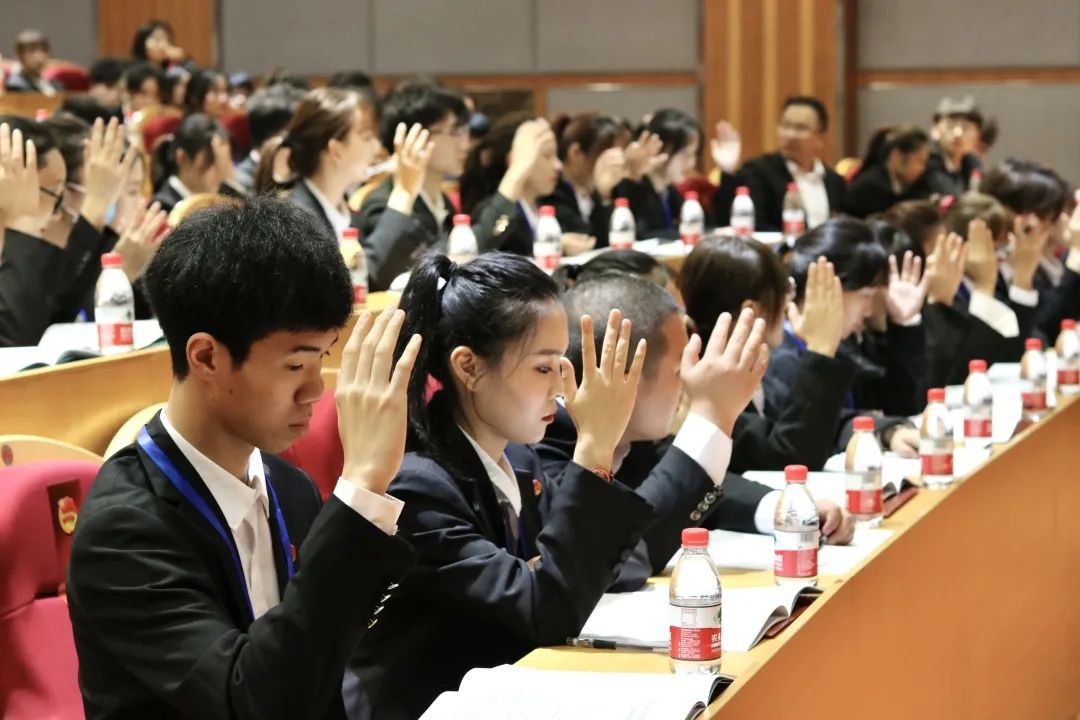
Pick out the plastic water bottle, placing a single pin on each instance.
(461, 246)
(797, 535)
(742, 213)
(978, 406)
(547, 244)
(1068, 350)
(936, 441)
(114, 307)
(1033, 381)
(862, 464)
(623, 230)
(695, 600)
(355, 259)
(975, 181)
(691, 220)
(794, 215)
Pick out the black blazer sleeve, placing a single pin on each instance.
(499, 225)
(391, 247)
(723, 197)
(136, 584)
(804, 429)
(1058, 303)
(542, 601)
(29, 270)
(904, 387)
(82, 266)
(741, 500)
(768, 206)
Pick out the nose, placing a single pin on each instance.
(312, 389)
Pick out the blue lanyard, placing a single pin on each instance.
(665, 203)
(525, 217)
(170, 470)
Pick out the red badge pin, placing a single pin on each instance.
(292, 551)
(537, 487)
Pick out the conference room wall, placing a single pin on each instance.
(68, 24)
(628, 102)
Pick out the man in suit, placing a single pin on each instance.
(717, 391)
(205, 581)
(32, 50)
(804, 122)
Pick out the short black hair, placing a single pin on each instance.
(645, 304)
(241, 272)
(1024, 186)
(420, 103)
(107, 71)
(858, 256)
(282, 77)
(813, 103)
(44, 141)
(269, 111)
(70, 132)
(198, 88)
(674, 128)
(624, 261)
(89, 109)
(138, 72)
(350, 80)
(195, 134)
(143, 33)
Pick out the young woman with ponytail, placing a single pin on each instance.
(196, 159)
(894, 170)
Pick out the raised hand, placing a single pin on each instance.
(601, 406)
(820, 323)
(1029, 238)
(18, 176)
(223, 159)
(412, 152)
(530, 139)
(107, 168)
(141, 240)
(609, 171)
(577, 243)
(726, 147)
(982, 261)
(371, 398)
(721, 382)
(945, 268)
(907, 289)
(644, 155)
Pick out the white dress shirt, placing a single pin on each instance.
(501, 475)
(181, 189)
(812, 192)
(706, 444)
(338, 220)
(992, 311)
(246, 507)
(584, 202)
(437, 208)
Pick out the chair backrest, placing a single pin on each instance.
(127, 432)
(318, 452)
(23, 449)
(72, 78)
(156, 128)
(39, 504)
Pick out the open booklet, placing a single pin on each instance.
(896, 487)
(640, 619)
(525, 694)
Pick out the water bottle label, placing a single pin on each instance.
(1034, 400)
(548, 262)
(621, 240)
(742, 229)
(796, 554)
(1069, 377)
(977, 427)
(115, 334)
(937, 464)
(695, 632)
(864, 502)
(794, 223)
(360, 293)
(690, 238)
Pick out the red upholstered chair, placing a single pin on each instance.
(71, 77)
(702, 187)
(318, 452)
(155, 128)
(38, 666)
(239, 133)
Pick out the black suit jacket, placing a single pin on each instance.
(422, 224)
(648, 208)
(160, 622)
(568, 213)
(890, 369)
(768, 176)
(500, 226)
(390, 249)
(170, 198)
(477, 599)
(871, 192)
(1056, 303)
(943, 181)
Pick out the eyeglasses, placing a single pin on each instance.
(57, 197)
(459, 132)
(796, 129)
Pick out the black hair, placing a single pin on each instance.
(420, 103)
(221, 272)
(674, 128)
(645, 304)
(723, 273)
(486, 163)
(912, 221)
(859, 259)
(592, 132)
(31, 38)
(269, 111)
(107, 71)
(88, 109)
(350, 80)
(622, 261)
(137, 73)
(814, 104)
(905, 138)
(198, 87)
(486, 305)
(1027, 187)
(70, 132)
(282, 77)
(143, 33)
(976, 205)
(44, 141)
(194, 135)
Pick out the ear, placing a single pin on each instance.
(574, 152)
(466, 367)
(206, 356)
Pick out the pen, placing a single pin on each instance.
(598, 644)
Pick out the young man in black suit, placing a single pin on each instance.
(205, 580)
(803, 124)
(717, 391)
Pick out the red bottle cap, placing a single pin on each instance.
(112, 259)
(691, 195)
(795, 473)
(547, 211)
(935, 395)
(977, 366)
(742, 190)
(462, 219)
(1033, 344)
(863, 423)
(622, 202)
(792, 187)
(1068, 324)
(695, 537)
(350, 233)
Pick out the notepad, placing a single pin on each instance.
(641, 618)
(526, 694)
(832, 486)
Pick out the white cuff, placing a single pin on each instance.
(706, 444)
(1023, 297)
(766, 510)
(994, 313)
(1072, 260)
(913, 322)
(381, 510)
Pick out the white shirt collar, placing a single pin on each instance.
(438, 209)
(254, 156)
(530, 214)
(338, 219)
(816, 172)
(232, 496)
(506, 484)
(181, 189)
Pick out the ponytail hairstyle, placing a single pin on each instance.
(592, 132)
(486, 305)
(194, 135)
(905, 138)
(487, 161)
(614, 262)
(324, 114)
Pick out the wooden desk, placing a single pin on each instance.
(969, 611)
(27, 104)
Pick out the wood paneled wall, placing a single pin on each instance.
(193, 21)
